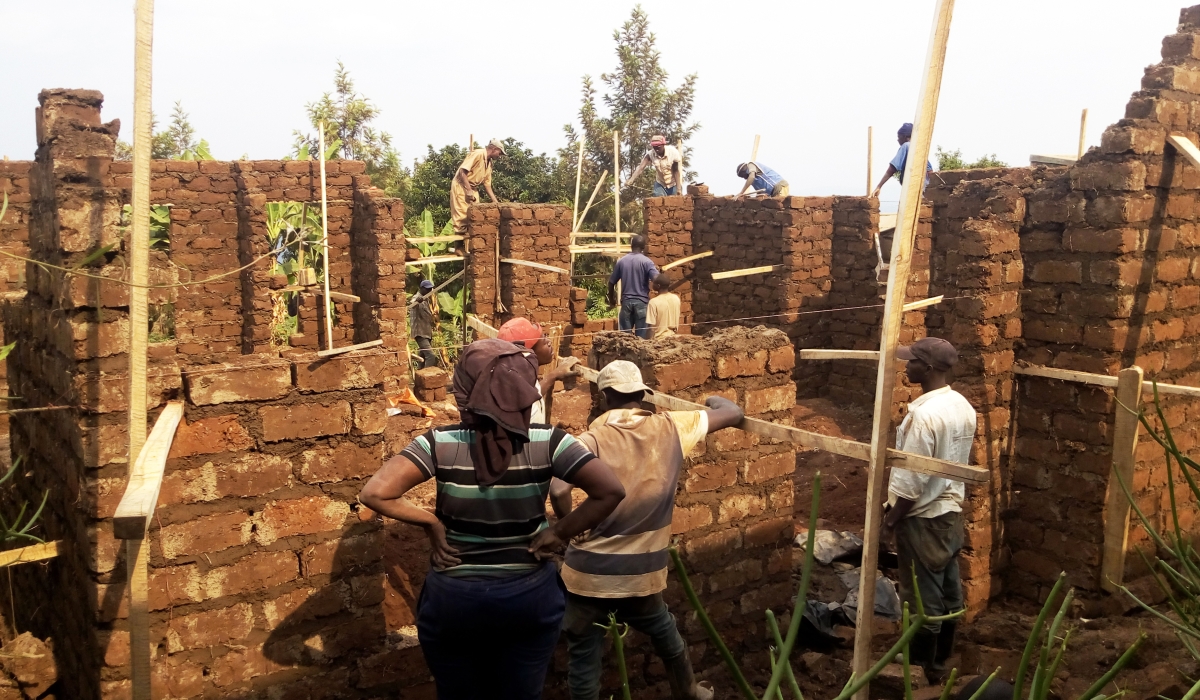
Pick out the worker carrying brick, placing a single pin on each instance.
(760, 177)
(896, 167)
(476, 170)
(526, 334)
(491, 609)
(422, 319)
(635, 272)
(662, 314)
(668, 167)
(924, 512)
(621, 566)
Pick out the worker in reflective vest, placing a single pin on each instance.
(761, 178)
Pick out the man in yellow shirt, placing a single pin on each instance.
(476, 170)
(662, 314)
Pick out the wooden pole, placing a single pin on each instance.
(588, 206)
(617, 180)
(902, 248)
(137, 551)
(578, 178)
(325, 243)
(870, 144)
(1116, 507)
(1082, 132)
(470, 143)
(754, 151)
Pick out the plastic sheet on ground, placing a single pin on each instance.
(829, 545)
(818, 621)
(887, 600)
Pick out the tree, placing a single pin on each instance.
(639, 104)
(347, 116)
(953, 160)
(178, 142)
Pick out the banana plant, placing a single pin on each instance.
(160, 224)
(200, 152)
(294, 232)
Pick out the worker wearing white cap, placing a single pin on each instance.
(476, 170)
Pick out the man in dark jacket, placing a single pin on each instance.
(422, 324)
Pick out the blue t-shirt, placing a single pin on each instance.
(900, 159)
(635, 271)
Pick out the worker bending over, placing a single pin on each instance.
(760, 178)
(526, 334)
(662, 314)
(925, 512)
(491, 609)
(668, 167)
(476, 170)
(635, 272)
(896, 167)
(621, 567)
(423, 317)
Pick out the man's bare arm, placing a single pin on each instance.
(887, 175)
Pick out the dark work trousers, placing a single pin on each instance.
(426, 350)
(930, 547)
(490, 639)
(585, 641)
(633, 317)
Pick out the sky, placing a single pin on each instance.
(809, 77)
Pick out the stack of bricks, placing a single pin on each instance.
(733, 512)
(261, 576)
(669, 238)
(431, 384)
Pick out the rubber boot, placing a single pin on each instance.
(945, 646)
(683, 680)
(921, 651)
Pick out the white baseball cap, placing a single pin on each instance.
(622, 376)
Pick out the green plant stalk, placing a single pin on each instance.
(791, 676)
(713, 635)
(905, 662)
(1042, 677)
(1023, 667)
(771, 658)
(979, 693)
(1191, 693)
(949, 684)
(785, 652)
(619, 648)
(1058, 658)
(917, 622)
(1104, 680)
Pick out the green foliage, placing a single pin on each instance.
(347, 116)
(953, 160)
(20, 526)
(178, 142)
(300, 228)
(160, 225)
(639, 104)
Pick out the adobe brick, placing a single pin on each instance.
(739, 506)
(1171, 329)
(304, 421)
(782, 359)
(1054, 331)
(710, 476)
(705, 552)
(360, 373)
(688, 518)
(1057, 272)
(769, 467)
(770, 399)
(1121, 240)
(341, 555)
(732, 439)
(252, 573)
(210, 628)
(212, 533)
(301, 516)
(1172, 270)
(681, 375)
(346, 461)
(742, 364)
(206, 387)
(777, 531)
(209, 436)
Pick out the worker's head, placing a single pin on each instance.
(638, 244)
(426, 286)
(659, 143)
(520, 331)
(495, 149)
(662, 283)
(621, 383)
(743, 170)
(928, 359)
(905, 133)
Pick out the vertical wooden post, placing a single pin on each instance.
(1082, 133)
(325, 243)
(1116, 506)
(870, 145)
(139, 329)
(754, 151)
(470, 143)
(578, 177)
(902, 247)
(617, 183)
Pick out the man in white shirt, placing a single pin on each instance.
(668, 167)
(925, 512)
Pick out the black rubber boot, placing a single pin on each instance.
(683, 680)
(945, 645)
(922, 649)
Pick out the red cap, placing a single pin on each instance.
(520, 330)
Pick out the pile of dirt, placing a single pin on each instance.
(27, 668)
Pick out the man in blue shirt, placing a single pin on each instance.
(896, 167)
(760, 176)
(635, 272)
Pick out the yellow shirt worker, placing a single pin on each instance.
(476, 170)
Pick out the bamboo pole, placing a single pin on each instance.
(870, 144)
(137, 551)
(1082, 132)
(588, 206)
(578, 178)
(617, 179)
(325, 243)
(902, 248)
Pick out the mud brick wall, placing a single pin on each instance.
(733, 510)
(14, 238)
(669, 226)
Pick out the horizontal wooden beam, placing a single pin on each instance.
(822, 354)
(536, 265)
(1035, 159)
(432, 239)
(688, 259)
(349, 348)
(805, 438)
(914, 305)
(145, 479)
(1070, 375)
(601, 234)
(434, 260)
(34, 552)
(438, 288)
(746, 271)
(338, 296)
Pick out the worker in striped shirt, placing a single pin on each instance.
(621, 567)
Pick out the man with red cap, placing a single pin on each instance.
(924, 511)
(527, 334)
(668, 167)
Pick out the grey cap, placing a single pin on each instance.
(496, 144)
(426, 284)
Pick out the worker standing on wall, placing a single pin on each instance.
(662, 314)
(423, 317)
(760, 177)
(668, 167)
(896, 167)
(635, 272)
(476, 170)
(621, 567)
(925, 512)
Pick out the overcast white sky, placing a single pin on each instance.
(808, 76)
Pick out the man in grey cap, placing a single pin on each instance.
(476, 170)
(423, 317)
(924, 511)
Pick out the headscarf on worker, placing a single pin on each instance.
(494, 389)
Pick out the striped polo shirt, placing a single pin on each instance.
(492, 526)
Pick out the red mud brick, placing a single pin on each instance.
(689, 518)
(206, 387)
(706, 551)
(251, 573)
(336, 556)
(782, 359)
(769, 467)
(770, 399)
(710, 477)
(209, 436)
(742, 365)
(669, 378)
(210, 628)
(301, 516)
(430, 378)
(774, 531)
(346, 461)
(304, 421)
(740, 506)
(211, 533)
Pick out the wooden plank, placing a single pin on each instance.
(349, 348)
(617, 180)
(145, 479)
(1083, 133)
(480, 327)
(1070, 375)
(754, 151)
(537, 265)
(599, 184)
(325, 238)
(432, 239)
(684, 261)
(746, 271)
(1035, 159)
(1185, 147)
(338, 296)
(34, 552)
(601, 234)
(822, 354)
(902, 252)
(578, 180)
(1116, 507)
(434, 260)
(870, 145)
(914, 305)
(137, 559)
(438, 288)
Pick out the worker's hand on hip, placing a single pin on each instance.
(442, 554)
(546, 544)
